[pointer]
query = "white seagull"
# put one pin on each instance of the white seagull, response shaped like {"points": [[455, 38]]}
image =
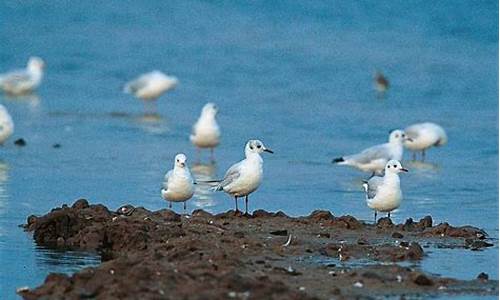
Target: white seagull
{"points": [[244, 177], [179, 184], [424, 136], [23, 81], [374, 158], [384, 193], [151, 85], [6, 124], [206, 132]]}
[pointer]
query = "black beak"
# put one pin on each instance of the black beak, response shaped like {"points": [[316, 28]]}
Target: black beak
{"points": [[268, 150], [409, 139], [404, 170]]}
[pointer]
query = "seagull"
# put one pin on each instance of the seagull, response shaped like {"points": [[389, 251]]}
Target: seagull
{"points": [[6, 124], [179, 184], [424, 136], [384, 193], [206, 132], [151, 85], [374, 158], [381, 83], [244, 177], [19, 82]]}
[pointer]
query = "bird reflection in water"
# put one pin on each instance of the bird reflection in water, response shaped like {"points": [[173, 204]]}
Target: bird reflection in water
{"points": [[32, 100], [203, 194], [4, 197]]}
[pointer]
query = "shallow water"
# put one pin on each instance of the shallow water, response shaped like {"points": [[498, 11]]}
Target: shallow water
{"points": [[298, 76]]}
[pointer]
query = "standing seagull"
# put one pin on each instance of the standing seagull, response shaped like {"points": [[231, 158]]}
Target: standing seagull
{"points": [[179, 184], [384, 193], [206, 132], [151, 85], [424, 136], [244, 177], [374, 158], [6, 124], [24, 81]]}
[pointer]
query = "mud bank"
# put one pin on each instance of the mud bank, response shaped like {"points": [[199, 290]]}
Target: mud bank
{"points": [[163, 255]]}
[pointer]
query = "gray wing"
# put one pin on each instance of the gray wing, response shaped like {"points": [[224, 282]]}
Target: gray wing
{"points": [[372, 153], [412, 131], [136, 84], [14, 78], [167, 177], [371, 186], [231, 175]]}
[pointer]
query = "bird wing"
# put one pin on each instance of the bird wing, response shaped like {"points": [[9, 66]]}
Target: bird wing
{"points": [[413, 131], [231, 175], [371, 186], [14, 78], [137, 84], [370, 154], [166, 179]]}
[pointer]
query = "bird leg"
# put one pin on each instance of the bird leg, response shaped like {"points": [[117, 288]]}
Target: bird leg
{"points": [[212, 156], [236, 204], [246, 205], [423, 155], [169, 204], [198, 155], [184, 206], [389, 215], [375, 217], [414, 156]]}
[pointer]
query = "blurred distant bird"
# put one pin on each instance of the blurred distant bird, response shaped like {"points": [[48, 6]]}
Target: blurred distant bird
{"points": [[25, 81], [244, 177], [423, 136], [151, 85], [373, 159], [381, 83], [384, 193], [6, 124], [206, 132], [179, 184]]}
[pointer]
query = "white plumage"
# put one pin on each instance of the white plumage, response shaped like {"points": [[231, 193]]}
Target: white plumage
{"points": [[151, 85], [179, 184], [244, 177], [6, 124], [424, 136], [206, 132], [374, 159], [23, 81], [384, 193]]}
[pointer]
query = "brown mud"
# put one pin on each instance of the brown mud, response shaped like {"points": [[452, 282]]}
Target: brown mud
{"points": [[163, 255]]}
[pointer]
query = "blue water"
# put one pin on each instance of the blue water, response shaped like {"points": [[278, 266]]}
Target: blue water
{"points": [[296, 75]]}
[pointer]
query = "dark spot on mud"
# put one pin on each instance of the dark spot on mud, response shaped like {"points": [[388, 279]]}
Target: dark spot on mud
{"points": [[281, 232]]}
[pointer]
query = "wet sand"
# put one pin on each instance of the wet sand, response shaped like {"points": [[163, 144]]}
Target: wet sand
{"points": [[164, 255]]}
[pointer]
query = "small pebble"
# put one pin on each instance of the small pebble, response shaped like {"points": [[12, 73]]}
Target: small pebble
{"points": [[358, 284]]}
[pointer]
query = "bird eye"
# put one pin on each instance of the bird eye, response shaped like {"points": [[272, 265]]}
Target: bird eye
{"points": [[403, 135], [251, 147], [258, 146], [395, 166], [388, 167], [177, 160]]}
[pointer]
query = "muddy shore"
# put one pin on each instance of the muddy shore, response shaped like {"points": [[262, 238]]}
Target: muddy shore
{"points": [[164, 255]]}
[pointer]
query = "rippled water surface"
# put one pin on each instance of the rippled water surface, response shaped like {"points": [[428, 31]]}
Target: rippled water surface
{"points": [[296, 75]]}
